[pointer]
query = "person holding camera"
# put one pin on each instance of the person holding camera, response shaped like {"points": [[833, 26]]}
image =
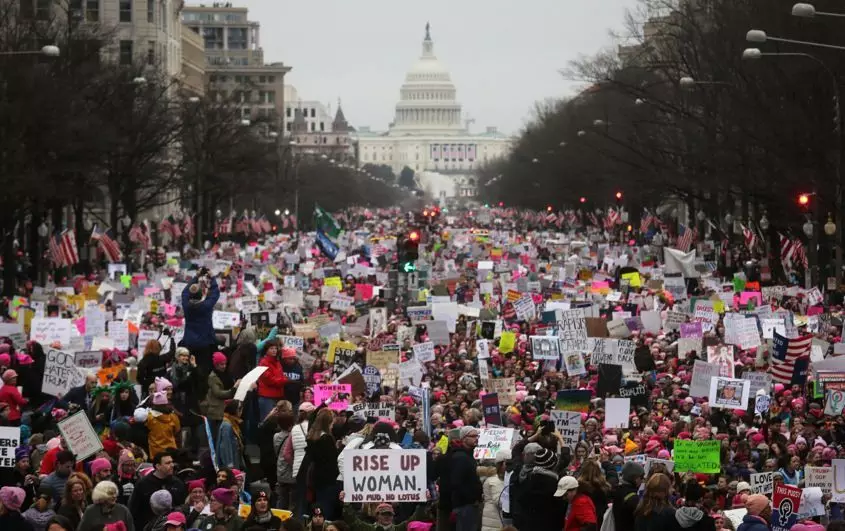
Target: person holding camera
{"points": [[198, 300]]}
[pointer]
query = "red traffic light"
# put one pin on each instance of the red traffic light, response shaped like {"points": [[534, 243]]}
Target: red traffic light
{"points": [[414, 236], [425, 212], [501, 203], [803, 199], [548, 208], [583, 199], [618, 195]]}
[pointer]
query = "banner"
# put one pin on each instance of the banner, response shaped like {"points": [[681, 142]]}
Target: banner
{"points": [[376, 410], [390, 476]]}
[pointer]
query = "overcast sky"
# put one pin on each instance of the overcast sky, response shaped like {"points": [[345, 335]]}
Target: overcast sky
{"points": [[503, 54]]}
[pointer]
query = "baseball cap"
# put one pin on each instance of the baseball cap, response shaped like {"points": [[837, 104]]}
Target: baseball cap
{"points": [[176, 518], [565, 484]]}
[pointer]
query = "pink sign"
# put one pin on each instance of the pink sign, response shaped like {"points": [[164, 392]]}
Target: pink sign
{"points": [[337, 394], [746, 296]]}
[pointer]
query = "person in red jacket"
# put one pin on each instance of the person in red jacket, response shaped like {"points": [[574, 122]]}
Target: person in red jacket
{"points": [[10, 395], [581, 513], [271, 382]]}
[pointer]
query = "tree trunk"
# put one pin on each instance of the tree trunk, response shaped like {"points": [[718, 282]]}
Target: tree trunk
{"points": [[10, 287], [35, 246]]}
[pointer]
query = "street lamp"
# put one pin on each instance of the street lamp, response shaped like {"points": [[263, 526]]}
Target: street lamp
{"points": [[760, 36], [49, 51], [808, 228], [809, 11], [287, 212], [639, 101], [245, 123], [193, 99], [830, 226], [277, 212], [582, 133], [324, 156], [139, 81], [689, 83]]}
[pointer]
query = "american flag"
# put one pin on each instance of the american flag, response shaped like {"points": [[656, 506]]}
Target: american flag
{"points": [[265, 224], [800, 254], [188, 226], [593, 219], [787, 249], [293, 221], [646, 222], [242, 225], [686, 239], [55, 251], [108, 245], [68, 246], [140, 235], [750, 238], [790, 358]]}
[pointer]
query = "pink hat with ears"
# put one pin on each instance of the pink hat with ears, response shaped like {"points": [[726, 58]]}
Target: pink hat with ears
{"points": [[779, 388]]}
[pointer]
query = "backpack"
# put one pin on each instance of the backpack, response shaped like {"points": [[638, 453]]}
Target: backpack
{"points": [[287, 449]]}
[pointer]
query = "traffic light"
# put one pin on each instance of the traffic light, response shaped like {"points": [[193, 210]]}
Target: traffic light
{"points": [[618, 197], [804, 200], [409, 251], [583, 199], [549, 208]]}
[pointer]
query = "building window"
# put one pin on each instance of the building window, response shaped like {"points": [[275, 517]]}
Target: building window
{"points": [[314, 112], [247, 96], [246, 114], [151, 53], [322, 126], [238, 38], [213, 38], [271, 96], [151, 11], [287, 112], [313, 127], [271, 79], [27, 10], [262, 79], [126, 52], [126, 10], [287, 127]]}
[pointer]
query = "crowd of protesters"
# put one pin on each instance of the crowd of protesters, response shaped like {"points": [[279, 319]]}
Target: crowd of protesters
{"points": [[180, 452]]}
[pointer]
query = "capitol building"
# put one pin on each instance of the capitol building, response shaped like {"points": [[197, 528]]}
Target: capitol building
{"points": [[430, 135]]}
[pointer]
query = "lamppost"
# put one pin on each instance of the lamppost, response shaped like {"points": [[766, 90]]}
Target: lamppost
{"points": [[754, 54], [49, 51]]}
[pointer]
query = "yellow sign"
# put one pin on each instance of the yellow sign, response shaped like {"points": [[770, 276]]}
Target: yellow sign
{"points": [[153, 306], [507, 342], [337, 344], [381, 359], [633, 279], [244, 510]]}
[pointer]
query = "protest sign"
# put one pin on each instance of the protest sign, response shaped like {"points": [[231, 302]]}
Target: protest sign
{"points": [[60, 373], [820, 477], [80, 436], [247, 382], [702, 373], [424, 352], [224, 320], [759, 380], [50, 330], [337, 395], [838, 494], [491, 440], [378, 410], [372, 379], [294, 342], [728, 393], [697, 456], [568, 424], [572, 331], [10, 439], [482, 348], [544, 348], [506, 388], [616, 412], [390, 476], [785, 504], [722, 355], [761, 483], [650, 461], [118, 331], [88, 360], [492, 409]]}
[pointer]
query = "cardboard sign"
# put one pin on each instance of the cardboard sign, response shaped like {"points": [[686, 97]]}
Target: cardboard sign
{"points": [[337, 394], [761, 483], [491, 440], [80, 436], [729, 393], [88, 360], [568, 424], [785, 504], [390, 476], [10, 439], [224, 320], [697, 456], [48, 331], [424, 352], [60, 373], [378, 410], [506, 389], [572, 331], [820, 477]]}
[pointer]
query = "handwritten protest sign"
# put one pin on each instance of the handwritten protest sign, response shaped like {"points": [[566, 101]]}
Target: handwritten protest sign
{"points": [[50, 330], [378, 410], [391, 476], [572, 331], [424, 352], [820, 477], [80, 436], [88, 360], [337, 395], [761, 483], [10, 439], [568, 424], [506, 388], [491, 440], [697, 456], [224, 320], [60, 373]]}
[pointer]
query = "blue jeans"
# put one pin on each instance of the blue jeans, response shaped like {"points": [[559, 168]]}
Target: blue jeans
{"points": [[265, 406], [326, 499]]}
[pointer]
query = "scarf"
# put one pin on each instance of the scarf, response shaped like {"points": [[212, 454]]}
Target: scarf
{"points": [[225, 379], [236, 427]]}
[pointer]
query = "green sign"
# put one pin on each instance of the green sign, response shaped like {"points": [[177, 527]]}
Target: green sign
{"points": [[697, 456]]}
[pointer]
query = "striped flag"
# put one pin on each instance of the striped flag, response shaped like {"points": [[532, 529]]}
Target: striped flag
{"points": [[787, 249], [750, 238], [68, 245], [188, 226], [646, 222], [800, 254], [55, 251], [686, 239], [108, 245], [790, 358]]}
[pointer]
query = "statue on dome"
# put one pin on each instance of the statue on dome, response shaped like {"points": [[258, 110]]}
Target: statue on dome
{"points": [[427, 31]]}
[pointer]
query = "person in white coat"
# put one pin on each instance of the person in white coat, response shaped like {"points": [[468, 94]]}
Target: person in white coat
{"points": [[298, 438], [491, 515]]}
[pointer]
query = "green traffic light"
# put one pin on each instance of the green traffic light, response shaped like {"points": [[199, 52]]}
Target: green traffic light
{"points": [[408, 267]]}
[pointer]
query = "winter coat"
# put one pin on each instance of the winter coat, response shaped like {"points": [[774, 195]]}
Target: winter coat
{"points": [[271, 382], [96, 517], [581, 512], [10, 395], [752, 523], [199, 331], [38, 519], [209, 522], [300, 443], [490, 516], [350, 515], [270, 522], [229, 451], [464, 483], [139, 502], [215, 399], [14, 521], [164, 431], [625, 500], [322, 453], [658, 521], [293, 381], [541, 510], [150, 367], [694, 519], [284, 470]]}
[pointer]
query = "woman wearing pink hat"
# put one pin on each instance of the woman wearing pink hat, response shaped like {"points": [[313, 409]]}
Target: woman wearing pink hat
{"points": [[10, 395]]}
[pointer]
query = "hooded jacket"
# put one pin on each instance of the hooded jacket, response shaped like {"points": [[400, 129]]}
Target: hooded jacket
{"points": [[271, 382], [752, 523], [199, 332], [694, 519]]}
